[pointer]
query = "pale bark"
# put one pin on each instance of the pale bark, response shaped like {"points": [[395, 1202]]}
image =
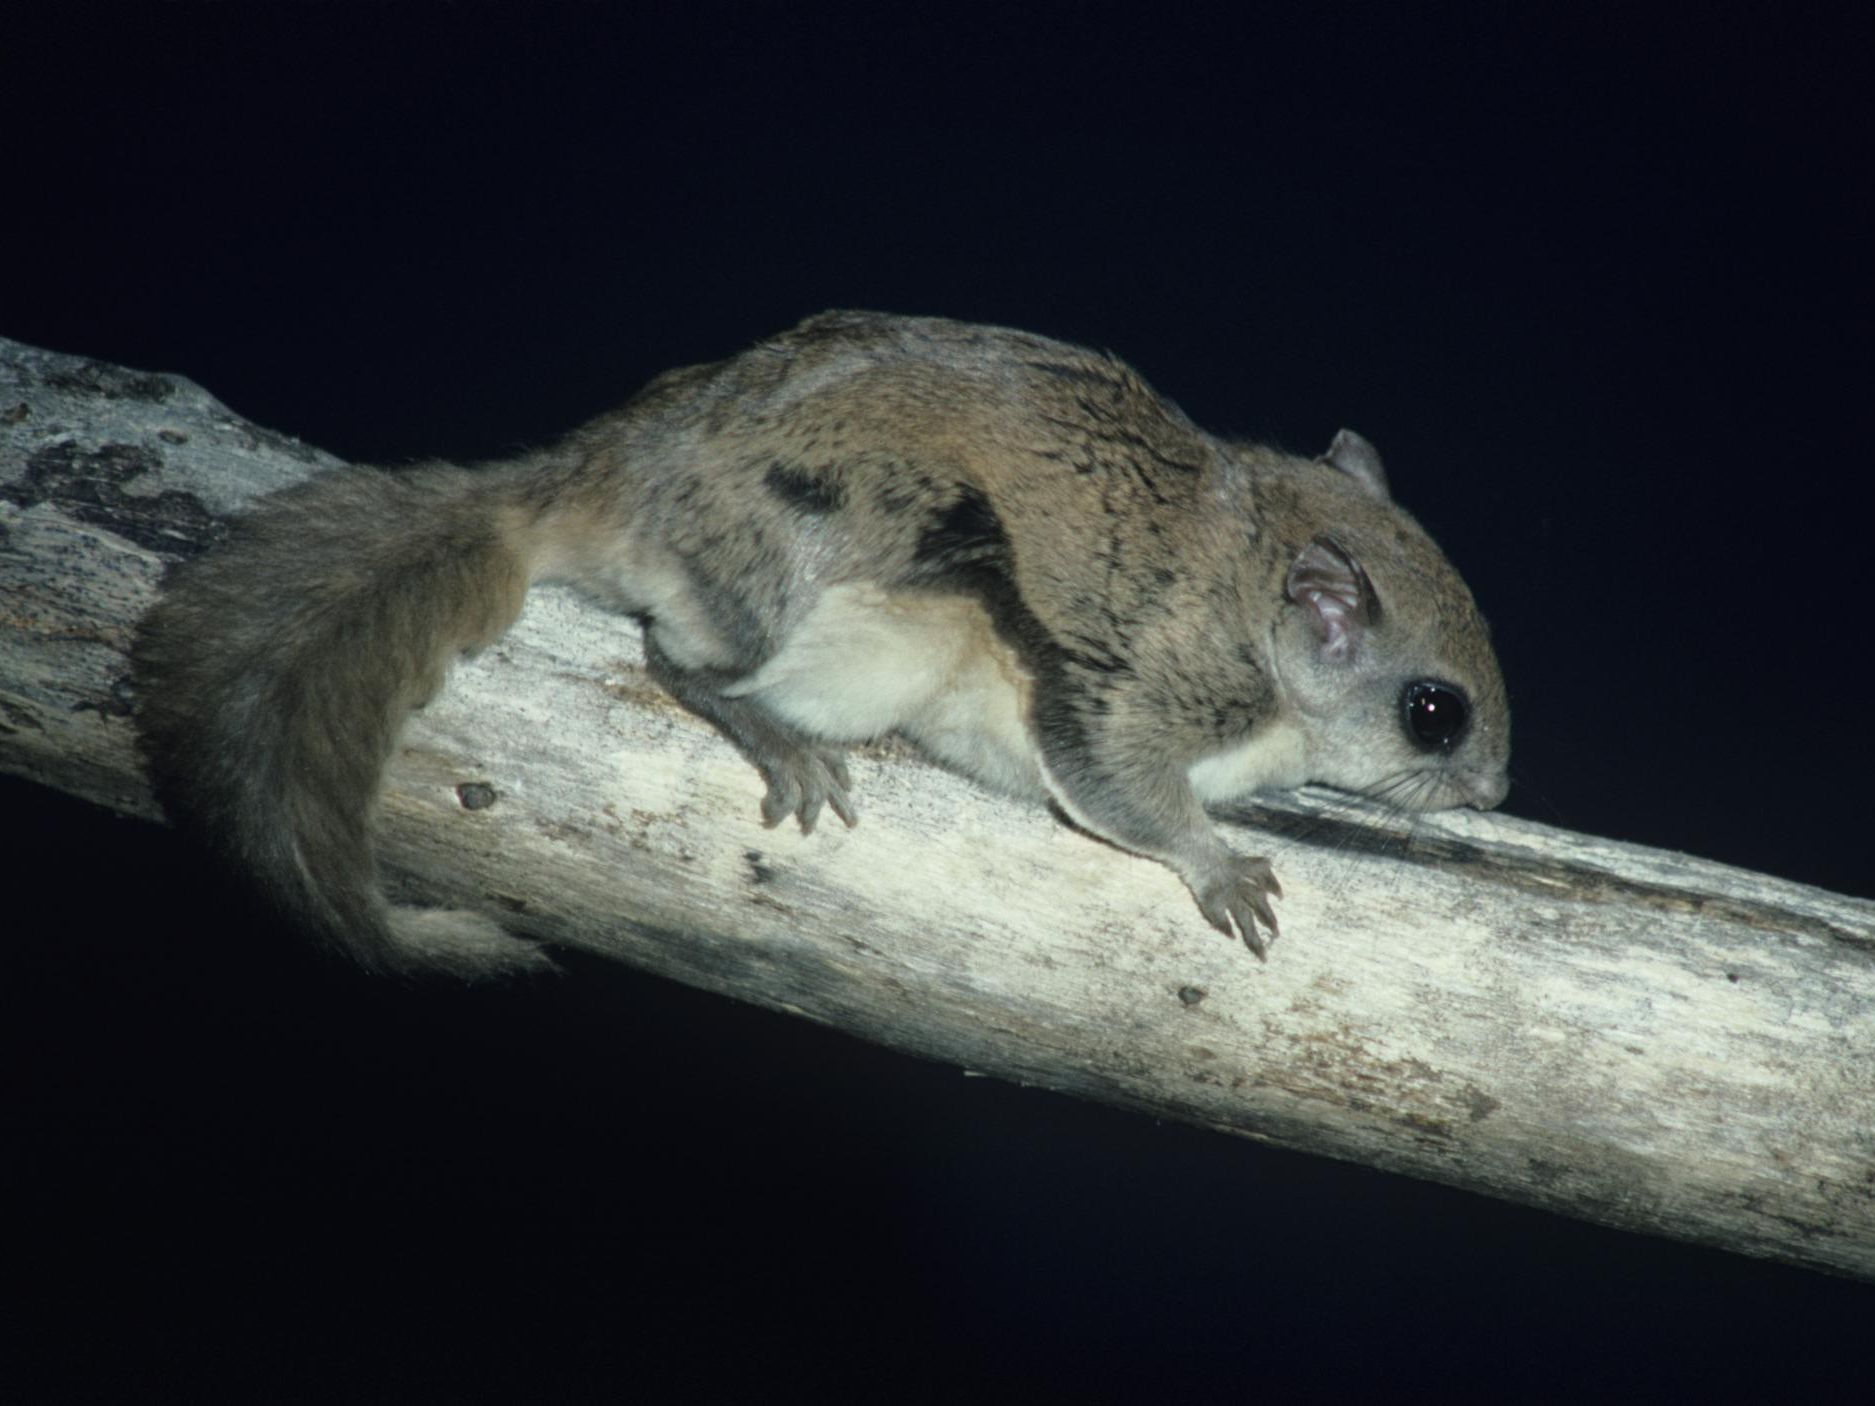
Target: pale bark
{"points": [[1620, 1034]]}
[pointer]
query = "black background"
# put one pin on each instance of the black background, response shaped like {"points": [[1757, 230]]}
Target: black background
{"points": [[1595, 283]]}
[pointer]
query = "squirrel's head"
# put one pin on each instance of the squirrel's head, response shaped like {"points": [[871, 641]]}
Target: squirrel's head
{"points": [[1378, 648]]}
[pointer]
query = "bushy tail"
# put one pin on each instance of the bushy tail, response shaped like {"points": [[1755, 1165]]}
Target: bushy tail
{"points": [[274, 675]]}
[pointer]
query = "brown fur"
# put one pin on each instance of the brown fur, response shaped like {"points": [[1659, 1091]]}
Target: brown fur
{"points": [[1009, 549]]}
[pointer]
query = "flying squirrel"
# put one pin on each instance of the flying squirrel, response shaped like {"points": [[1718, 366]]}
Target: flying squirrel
{"points": [[1009, 550]]}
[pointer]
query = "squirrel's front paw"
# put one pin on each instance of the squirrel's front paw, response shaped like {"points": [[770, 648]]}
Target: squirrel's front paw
{"points": [[1240, 893], [802, 783]]}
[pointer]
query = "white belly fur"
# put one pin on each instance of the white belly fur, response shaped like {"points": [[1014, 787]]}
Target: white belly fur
{"points": [[1274, 757], [864, 662]]}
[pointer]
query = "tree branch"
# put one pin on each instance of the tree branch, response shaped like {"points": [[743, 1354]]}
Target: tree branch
{"points": [[1628, 1036]]}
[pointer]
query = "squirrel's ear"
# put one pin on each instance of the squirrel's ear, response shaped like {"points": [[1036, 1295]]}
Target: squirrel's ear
{"points": [[1359, 460], [1331, 587]]}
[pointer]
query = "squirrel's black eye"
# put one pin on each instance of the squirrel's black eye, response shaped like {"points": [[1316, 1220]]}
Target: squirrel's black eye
{"points": [[1435, 715]]}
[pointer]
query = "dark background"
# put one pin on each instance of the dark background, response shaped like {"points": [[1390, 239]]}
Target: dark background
{"points": [[1595, 284]]}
